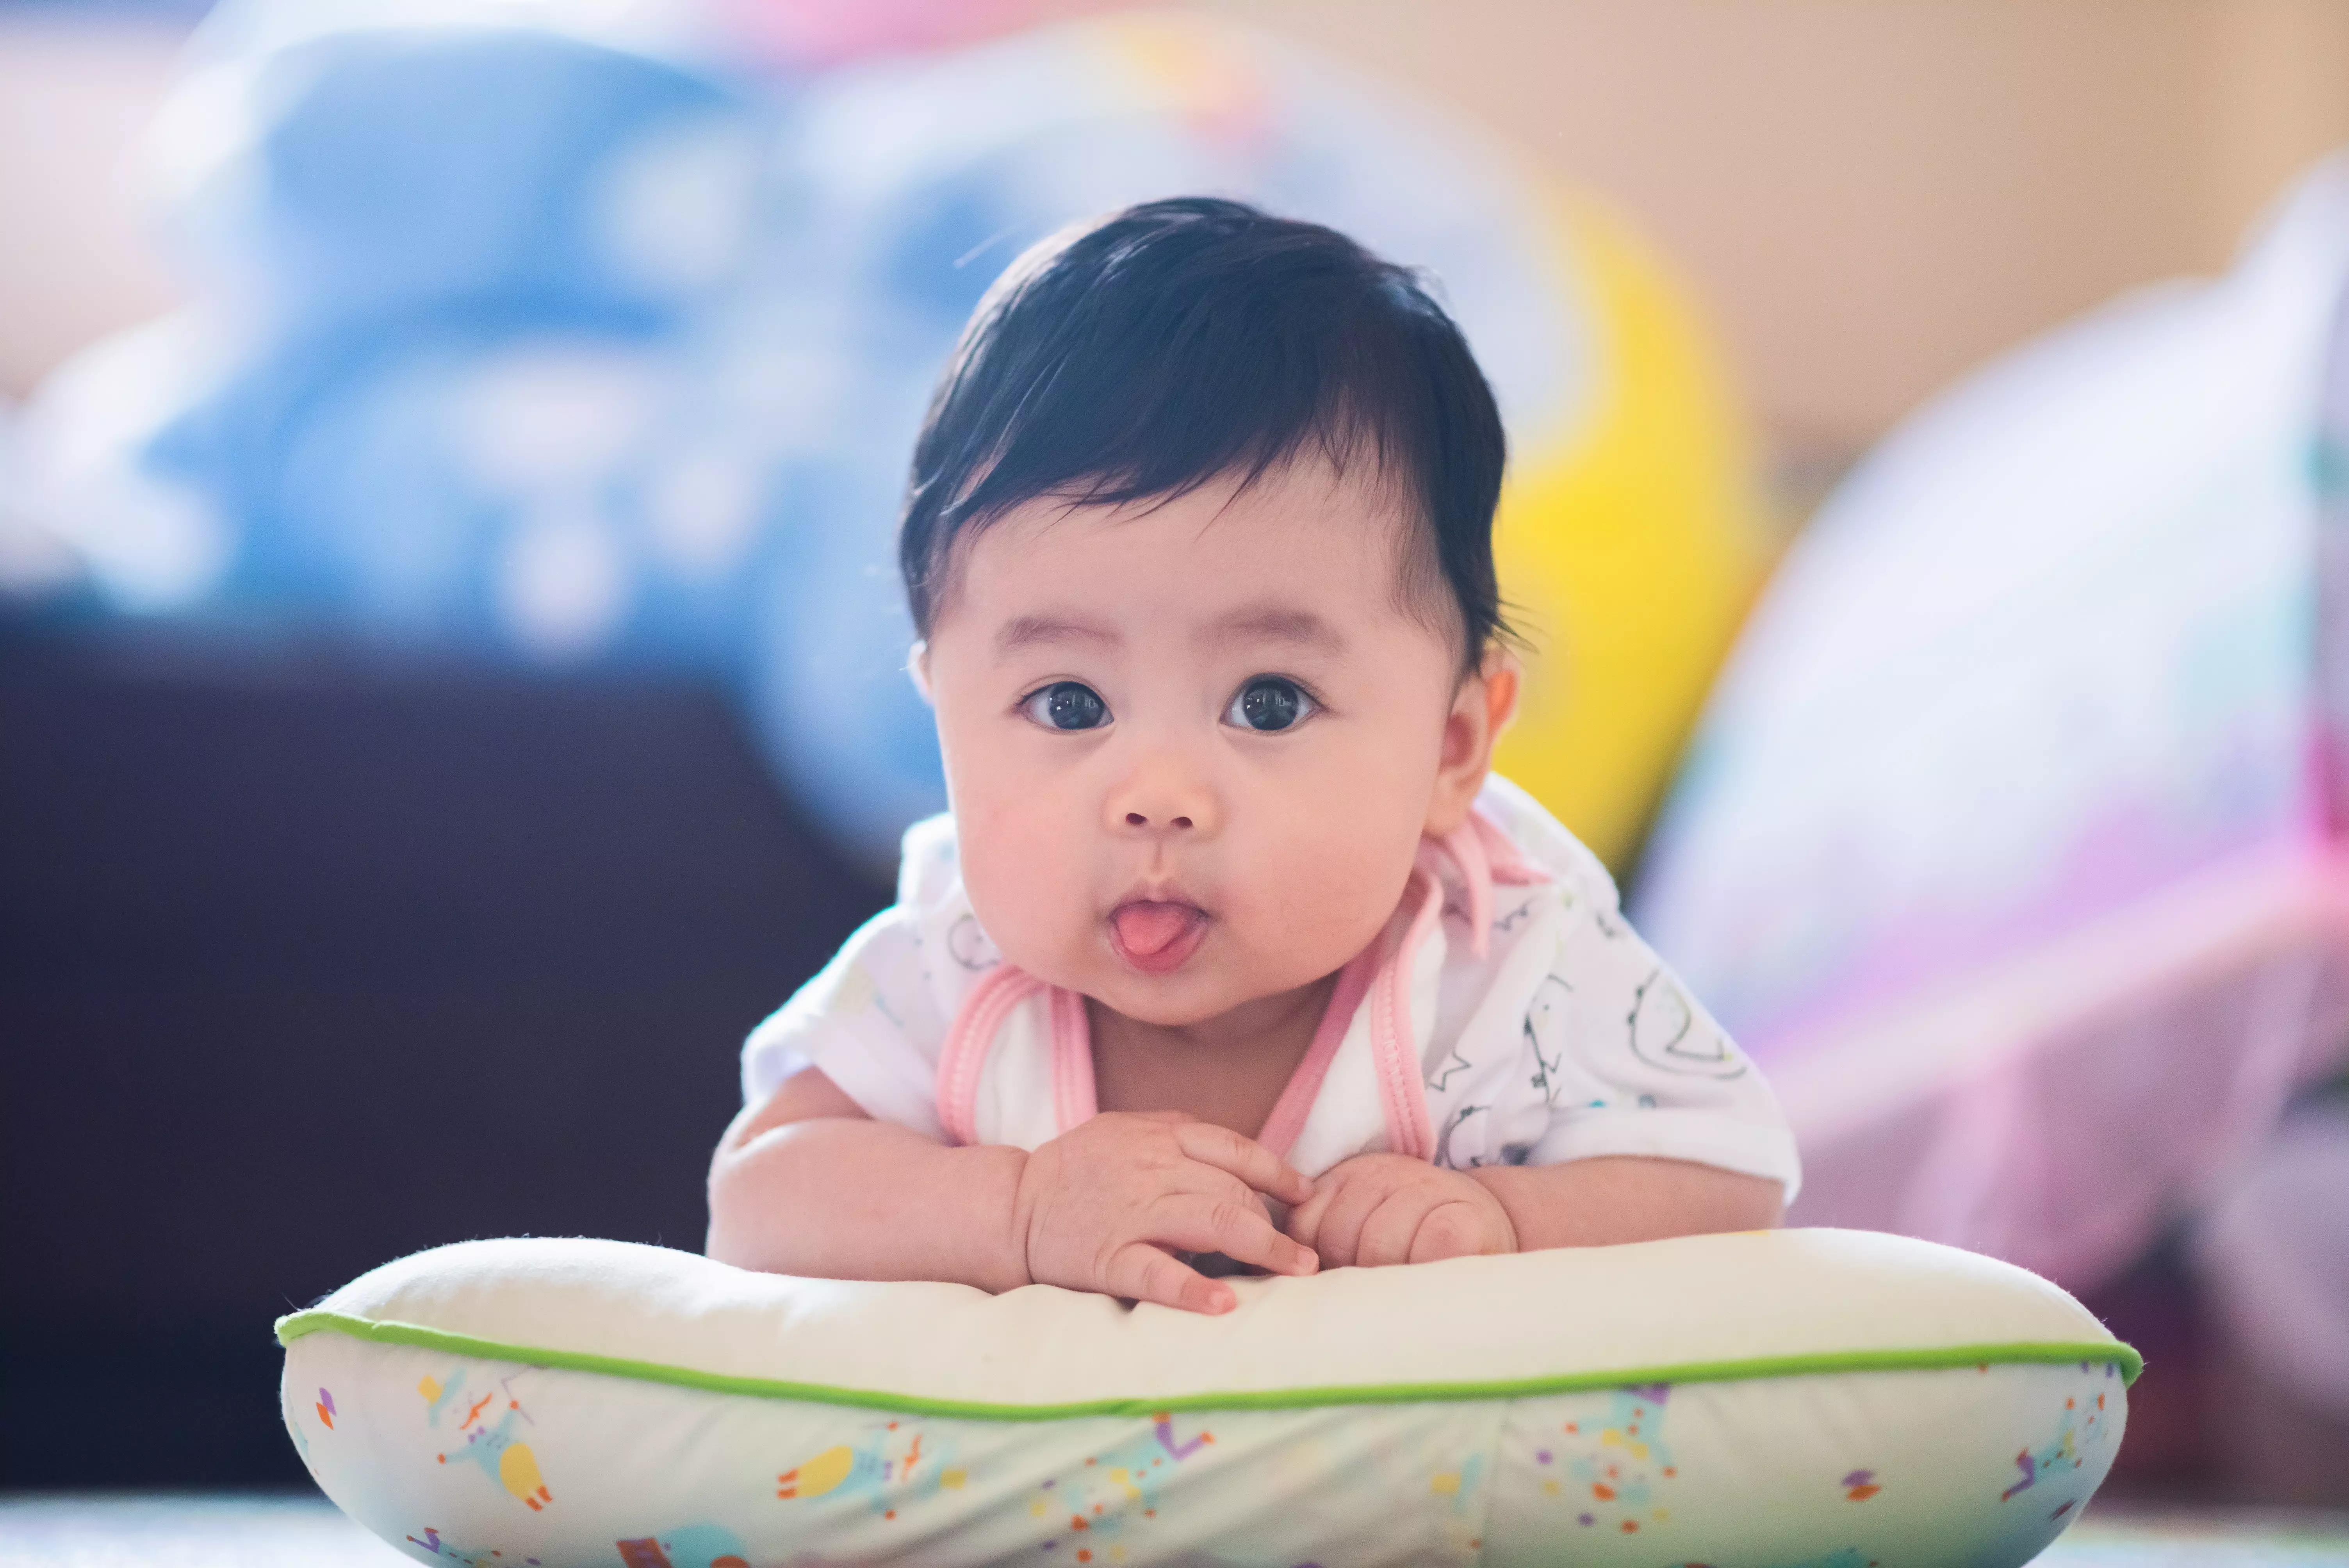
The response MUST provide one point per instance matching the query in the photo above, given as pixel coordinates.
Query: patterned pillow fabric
(1777, 1399)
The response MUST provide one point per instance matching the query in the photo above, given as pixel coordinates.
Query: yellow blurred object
(1629, 545)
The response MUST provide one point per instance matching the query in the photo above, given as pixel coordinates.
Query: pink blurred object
(814, 34)
(2272, 1258)
(2060, 1111)
(743, 38)
(2011, 844)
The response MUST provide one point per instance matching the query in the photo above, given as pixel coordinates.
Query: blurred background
(451, 663)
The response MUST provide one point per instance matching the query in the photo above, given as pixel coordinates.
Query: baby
(1231, 950)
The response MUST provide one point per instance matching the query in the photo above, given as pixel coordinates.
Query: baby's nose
(1162, 797)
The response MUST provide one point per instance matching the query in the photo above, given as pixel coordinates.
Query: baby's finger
(1197, 1222)
(1270, 1247)
(1340, 1240)
(1340, 1226)
(1305, 1220)
(1245, 1158)
(1143, 1273)
(1388, 1233)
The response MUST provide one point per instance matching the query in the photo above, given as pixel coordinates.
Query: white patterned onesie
(1506, 1015)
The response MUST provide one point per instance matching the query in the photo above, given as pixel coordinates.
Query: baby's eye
(1067, 705)
(1269, 703)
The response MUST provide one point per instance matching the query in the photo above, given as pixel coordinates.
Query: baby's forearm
(1609, 1199)
(840, 1198)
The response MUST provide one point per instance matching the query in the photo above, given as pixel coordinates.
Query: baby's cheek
(1029, 886)
(1327, 890)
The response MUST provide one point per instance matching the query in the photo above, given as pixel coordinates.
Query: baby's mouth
(1156, 936)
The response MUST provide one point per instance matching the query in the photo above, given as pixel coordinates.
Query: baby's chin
(1200, 992)
(1166, 1004)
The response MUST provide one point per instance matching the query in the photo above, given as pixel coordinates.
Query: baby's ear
(1481, 707)
(917, 669)
(1501, 673)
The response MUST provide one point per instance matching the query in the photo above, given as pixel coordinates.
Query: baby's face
(1191, 750)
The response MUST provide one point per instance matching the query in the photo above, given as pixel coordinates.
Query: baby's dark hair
(1182, 342)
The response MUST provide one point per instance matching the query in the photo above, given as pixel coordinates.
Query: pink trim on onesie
(1074, 1095)
(1296, 1101)
(1484, 856)
(1393, 1058)
(977, 1021)
(1467, 853)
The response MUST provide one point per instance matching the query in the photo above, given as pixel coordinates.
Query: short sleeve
(1631, 1065)
(868, 1021)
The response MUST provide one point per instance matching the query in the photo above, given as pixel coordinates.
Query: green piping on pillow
(1929, 1359)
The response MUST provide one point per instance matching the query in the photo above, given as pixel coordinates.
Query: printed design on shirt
(892, 1466)
(1505, 924)
(1115, 1492)
(969, 946)
(1545, 1024)
(2080, 1432)
(853, 993)
(688, 1546)
(1612, 1466)
(490, 1420)
(1663, 1032)
(1612, 928)
(1453, 1065)
(1452, 1124)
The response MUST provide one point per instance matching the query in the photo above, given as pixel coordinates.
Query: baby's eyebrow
(1027, 630)
(1276, 623)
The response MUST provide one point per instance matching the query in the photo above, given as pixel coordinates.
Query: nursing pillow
(1773, 1399)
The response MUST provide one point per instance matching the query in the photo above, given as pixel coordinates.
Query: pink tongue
(1147, 929)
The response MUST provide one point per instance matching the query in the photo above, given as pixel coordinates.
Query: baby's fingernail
(1222, 1300)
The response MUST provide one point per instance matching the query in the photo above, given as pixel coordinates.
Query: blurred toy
(2011, 842)
(604, 337)
(1630, 539)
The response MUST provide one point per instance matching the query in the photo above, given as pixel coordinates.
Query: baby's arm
(1608, 1199)
(1378, 1209)
(807, 1184)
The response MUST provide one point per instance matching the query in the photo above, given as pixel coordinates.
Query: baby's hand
(1102, 1207)
(1378, 1208)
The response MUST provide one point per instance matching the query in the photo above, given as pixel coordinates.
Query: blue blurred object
(522, 340)
(96, 8)
(503, 172)
(466, 405)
